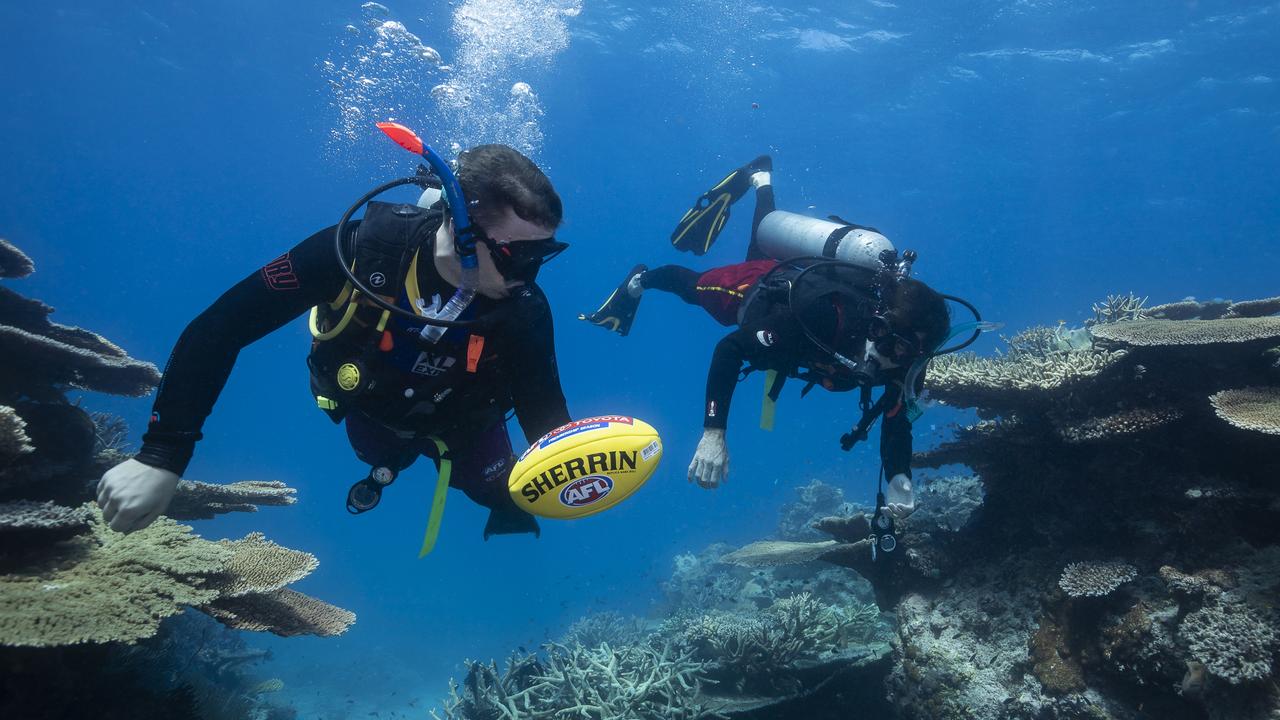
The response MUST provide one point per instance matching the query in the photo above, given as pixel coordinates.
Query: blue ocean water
(1038, 156)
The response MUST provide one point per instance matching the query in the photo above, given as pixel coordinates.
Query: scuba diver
(827, 302)
(428, 327)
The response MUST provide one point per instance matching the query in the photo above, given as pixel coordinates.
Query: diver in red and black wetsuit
(814, 300)
(400, 397)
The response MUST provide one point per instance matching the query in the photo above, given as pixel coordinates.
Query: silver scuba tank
(782, 235)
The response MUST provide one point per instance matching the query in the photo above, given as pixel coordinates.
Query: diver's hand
(133, 494)
(710, 464)
(900, 500)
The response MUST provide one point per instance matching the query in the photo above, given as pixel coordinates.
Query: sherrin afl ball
(586, 466)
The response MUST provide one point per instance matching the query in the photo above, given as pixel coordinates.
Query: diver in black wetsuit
(400, 397)
(832, 324)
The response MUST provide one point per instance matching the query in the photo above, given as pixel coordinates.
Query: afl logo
(377, 280)
(586, 491)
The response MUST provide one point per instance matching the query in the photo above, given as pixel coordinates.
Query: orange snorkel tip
(403, 136)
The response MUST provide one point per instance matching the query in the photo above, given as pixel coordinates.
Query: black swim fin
(510, 521)
(698, 229)
(619, 311)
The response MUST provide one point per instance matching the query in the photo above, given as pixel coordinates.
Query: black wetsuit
(772, 339)
(515, 369)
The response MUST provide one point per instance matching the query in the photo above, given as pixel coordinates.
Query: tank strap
(835, 238)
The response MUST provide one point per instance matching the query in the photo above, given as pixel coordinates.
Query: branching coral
(1119, 308)
(638, 682)
(1255, 308)
(1234, 641)
(1251, 408)
(42, 359)
(605, 627)
(964, 379)
(1095, 579)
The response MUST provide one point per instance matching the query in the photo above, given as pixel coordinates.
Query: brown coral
(77, 358)
(1167, 333)
(13, 434)
(1255, 308)
(1118, 425)
(1250, 408)
(778, 552)
(1095, 579)
(105, 586)
(45, 517)
(13, 262)
(201, 501)
(283, 612)
(257, 565)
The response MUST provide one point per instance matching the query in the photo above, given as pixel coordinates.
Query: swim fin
(510, 521)
(619, 311)
(698, 229)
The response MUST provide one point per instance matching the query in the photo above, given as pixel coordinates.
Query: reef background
(1038, 155)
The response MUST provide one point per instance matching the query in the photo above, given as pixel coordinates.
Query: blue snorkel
(465, 237)
(977, 327)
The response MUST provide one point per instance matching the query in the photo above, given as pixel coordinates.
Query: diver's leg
(481, 469)
(377, 445)
(619, 309)
(679, 281)
(764, 205)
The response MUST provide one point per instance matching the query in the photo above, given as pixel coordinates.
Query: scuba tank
(782, 235)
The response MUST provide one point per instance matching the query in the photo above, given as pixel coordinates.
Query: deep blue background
(1038, 155)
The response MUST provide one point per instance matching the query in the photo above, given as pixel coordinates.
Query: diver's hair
(494, 177)
(917, 307)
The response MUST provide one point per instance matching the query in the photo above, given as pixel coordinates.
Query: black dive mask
(900, 348)
(521, 259)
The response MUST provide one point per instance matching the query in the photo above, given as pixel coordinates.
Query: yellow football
(586, 466)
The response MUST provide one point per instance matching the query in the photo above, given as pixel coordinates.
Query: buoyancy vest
(841, 298)
(367, 359)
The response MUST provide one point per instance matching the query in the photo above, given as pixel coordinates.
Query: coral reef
(1142, 439)
(80, 604)
(1095, 579)
(814, 501)
(1251, 408)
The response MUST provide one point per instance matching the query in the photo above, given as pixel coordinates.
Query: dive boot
(699, 227)
(619, 311)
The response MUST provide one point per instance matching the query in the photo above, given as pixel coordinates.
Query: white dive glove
(133, 494)
(710, 464)
(900, 499)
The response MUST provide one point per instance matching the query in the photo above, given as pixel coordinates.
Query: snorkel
(465, 237)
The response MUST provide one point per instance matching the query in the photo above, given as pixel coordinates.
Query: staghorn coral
(13, 434)
(1119, 308)
(105, 586)
(46, 518)
(196, 500)
(1251, 408)
(283, 612)
(1119, 425)
(1095, 579)
(604, 627)
(638, 682)
(257, 565)
(1173, 333)
(1234, 641)
(965, 379)
(13, 262)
